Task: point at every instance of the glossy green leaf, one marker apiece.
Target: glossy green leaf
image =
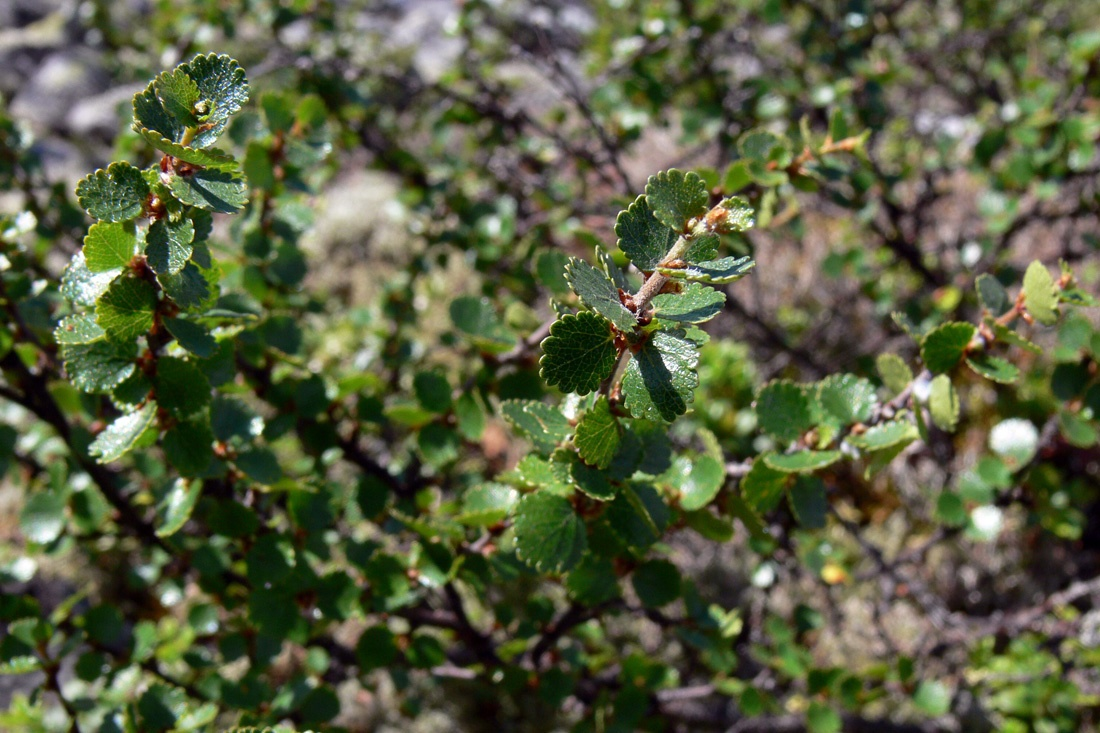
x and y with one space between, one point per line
121 435
81 285
211 157
126 310
549 476
213 189
943 403
1009 336
1040 294
177 505
99 366
643 238
191 288
42 518
657 583
550 537
191 336
223 89
716 272
846 399
803 461
660 379
168 245
695 304
895 373
637 516
590 480
487 504
784 410
943 347
182 389
763 487
116 194
677 197
885 435
1077 430
109 246
994 368
188 445
78 329
598 435
598 292
992 294
578 354
700 483
178 93
543 424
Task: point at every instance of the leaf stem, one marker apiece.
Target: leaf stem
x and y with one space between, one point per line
653 284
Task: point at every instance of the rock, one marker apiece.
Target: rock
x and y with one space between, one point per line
65 78
104 114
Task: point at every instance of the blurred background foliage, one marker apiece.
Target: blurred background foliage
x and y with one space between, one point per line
406 157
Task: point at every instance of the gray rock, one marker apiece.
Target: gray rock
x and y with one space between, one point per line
104 114
65 78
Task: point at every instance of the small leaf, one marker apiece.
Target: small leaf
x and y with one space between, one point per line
259 464
846 399
181 387
178 93
99 366
803 461
42 518
210 158
476 317
703 248
191 288
1040 294
81 285
637 516
660 378
943 403
115 194
20 665
121 435
895 373
590 480
223 86
657 583
885 435
191 336
109 246
784 410
469 417
598 293
1009 336
676 197
578 354
598 435
546 426
433 391
177 505
487 504
1015 440
763 486
701 483
642 237
126 310
168 245
993 368
932 698
992 294
593 581
188 446
607 262
78 329
943 347
695 304
1077 431
213 189
550 537
807 501
716 272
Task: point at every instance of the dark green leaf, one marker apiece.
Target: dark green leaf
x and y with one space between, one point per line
846 399
223 86
660 378
637 516
259 464
807 500
376 648
578 354
763 486
593 581
109 246
125 311
543 424
220 191
192 337
550 537
703 248
943 347
642 237
211 157
469 417
182 389
598 435
993 368
657 583
550 269
676 197
433 391
716 272
189 447
992 294
190 288
598 293
168 245
119 437
695 304
178 93
438 445
784 410
590 480
115 194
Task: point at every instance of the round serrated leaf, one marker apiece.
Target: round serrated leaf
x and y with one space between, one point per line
993 368
846 399
642 237
598 435
1040 294
578 354
109 246
598 292
660 378
115 194
943 347
591 481
763 486
716 272
189 447
487 504
121 435
544 424
784 410
99 366
192 337
182 389
81 285
637 516
943 403
803 461
213 189
550 537
696 303
677 197
168 245
223 90
126 310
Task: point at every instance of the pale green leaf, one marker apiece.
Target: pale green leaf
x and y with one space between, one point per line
701 483
42 518
885 435
677 197
78 329
109 246
716 272
805 461
116 194
487 504
598 435
993 368
895 373
176 506
81 285
1040 294
642 237
846 399
943 403
126 310
121 435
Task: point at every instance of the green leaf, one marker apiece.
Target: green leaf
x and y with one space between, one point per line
550 537
549 476
20 665
676 197
895 373
637 516
78 329
885 435
151 114
42 518
932 698
121 435
695 304
469 417
213 189
376 649
598 435
763 486
115 194
993 368
223 86
715 529
992 294
820 718
590 480
846 399
1077 430
784 410
943 403
126 310
807 501
178 93
176 506
598 292
593 581
168 245
803 461
578 354
99 366
109 246
188 445
703 247
182 389
476 317
433 391
1009 336
642 237
943 347
660 378
1040 294
190 288
211 157
657 583
613 271
259 464
543 424
716 272
733 214
192 337
81 285
438 445
701 483
487 504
